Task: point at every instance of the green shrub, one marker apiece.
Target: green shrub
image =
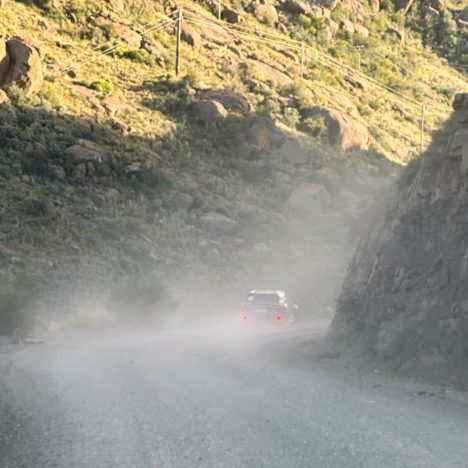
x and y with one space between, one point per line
290 117
304 21
315 127
15 305
35 207
139 56
269 108
102 86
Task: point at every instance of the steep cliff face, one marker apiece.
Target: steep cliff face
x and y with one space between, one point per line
405 300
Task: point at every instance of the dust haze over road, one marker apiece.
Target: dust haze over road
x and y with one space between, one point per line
221 396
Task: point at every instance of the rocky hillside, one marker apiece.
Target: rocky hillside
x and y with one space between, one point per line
125 187
405 300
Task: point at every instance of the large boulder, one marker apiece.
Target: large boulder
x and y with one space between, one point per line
126 34
263 133
347 26
343 130
307 201
375 5
21 66
463 16
272 73
3 97
361 30
399 34
403 5
266 13
191 36
231 16
232 101
89 151
298 7
208 111
41 3
293 152
216 223
438 5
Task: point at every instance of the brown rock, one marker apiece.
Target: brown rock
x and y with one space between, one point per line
375 5
231 16
361 31
126 34
114 107
155 50
232 101
273 74
463 16
88 151
217 223
307 201
332 25
266 13
298 7
259 136
403 5
292 152
21 66
347 26
344 130
208 111
438 5
117 5
330 4
397 33
3 97
191 36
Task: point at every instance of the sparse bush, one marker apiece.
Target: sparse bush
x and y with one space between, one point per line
141 297
269 108
102 86
15 305
290 117
315 127
304 21
35 207
140 56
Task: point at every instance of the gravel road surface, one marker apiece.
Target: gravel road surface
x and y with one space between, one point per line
212 398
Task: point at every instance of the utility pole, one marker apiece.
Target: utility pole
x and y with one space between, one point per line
359 48
423 116
302 59
178 35
219 10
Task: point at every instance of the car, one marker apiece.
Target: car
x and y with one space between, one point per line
269 306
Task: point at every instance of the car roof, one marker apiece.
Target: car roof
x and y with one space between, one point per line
280 292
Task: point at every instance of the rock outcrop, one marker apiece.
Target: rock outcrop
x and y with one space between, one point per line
405 299
231 15
232 101
208 111
191 36
298 7
266 12
344 130
21 66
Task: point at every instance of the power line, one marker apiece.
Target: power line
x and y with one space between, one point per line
124 36
326 59
109 50
153 27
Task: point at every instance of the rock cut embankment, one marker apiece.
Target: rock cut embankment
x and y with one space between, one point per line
405 299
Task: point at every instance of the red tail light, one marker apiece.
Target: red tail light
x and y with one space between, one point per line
245 317
278 318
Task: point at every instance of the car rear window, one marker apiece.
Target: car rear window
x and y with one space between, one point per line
273 297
